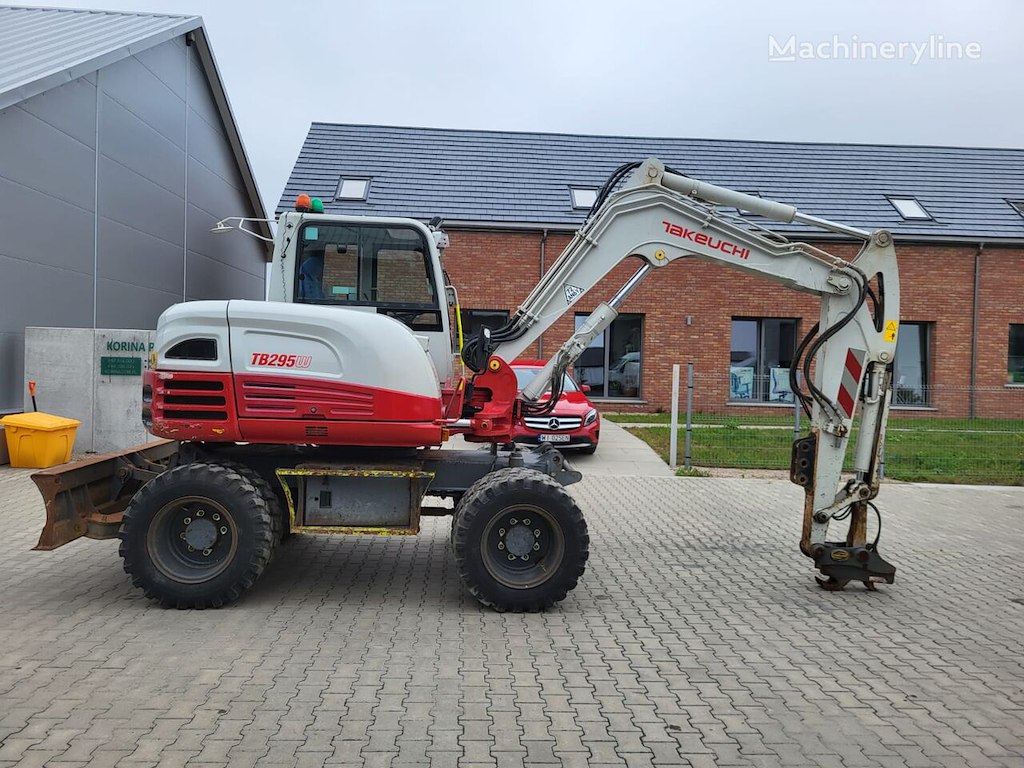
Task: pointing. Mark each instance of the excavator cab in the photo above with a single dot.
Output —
(390, 267)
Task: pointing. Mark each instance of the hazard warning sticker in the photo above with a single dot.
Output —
(572, 293)
(890, 330)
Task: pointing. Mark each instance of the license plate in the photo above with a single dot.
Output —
(553, 438)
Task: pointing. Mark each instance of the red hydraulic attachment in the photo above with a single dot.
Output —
(494, 402)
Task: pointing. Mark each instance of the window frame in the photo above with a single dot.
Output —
(577, 205)
(895, 199)
(1010, 372)
(606, 368)
(762, 380)
(466, 313)
(926, 340)
(341, 183)
(395, 309)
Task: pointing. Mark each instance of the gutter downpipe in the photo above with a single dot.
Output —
(543, 244)
(974, 331)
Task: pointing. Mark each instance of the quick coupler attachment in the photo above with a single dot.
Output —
(842, 564)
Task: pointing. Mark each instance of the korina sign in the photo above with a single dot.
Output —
(129, 346)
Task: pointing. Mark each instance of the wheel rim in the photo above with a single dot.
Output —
(192, 539)
(522, 546)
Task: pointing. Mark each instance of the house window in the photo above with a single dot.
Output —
(583, 198)
(1015, 356)
(909, 208)
(613, 363)
(475, 319)
(910, 371)
(759, 360)
(352, 189)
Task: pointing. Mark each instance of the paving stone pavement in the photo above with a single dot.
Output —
(697, 637)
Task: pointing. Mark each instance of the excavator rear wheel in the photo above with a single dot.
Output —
(280, 524)
(520, 541)
(197, 536)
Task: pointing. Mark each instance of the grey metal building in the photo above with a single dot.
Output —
(118, 153)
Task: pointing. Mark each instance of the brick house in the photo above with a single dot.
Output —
(511, 201)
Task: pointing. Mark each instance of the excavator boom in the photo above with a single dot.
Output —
(659, 216)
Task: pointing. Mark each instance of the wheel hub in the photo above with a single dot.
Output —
(201, 533)
(519, 540)
(521, 547)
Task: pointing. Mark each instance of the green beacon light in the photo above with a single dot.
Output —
(316, 205)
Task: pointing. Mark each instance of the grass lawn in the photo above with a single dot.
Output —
(932, 450)
(784, 418)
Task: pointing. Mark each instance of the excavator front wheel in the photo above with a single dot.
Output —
(520, 541)
(197, 536)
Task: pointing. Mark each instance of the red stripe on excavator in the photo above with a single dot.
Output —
(846, 401)
(363, 433)
(270, 396)
(850, 381)
(853, 365)
(219, 407)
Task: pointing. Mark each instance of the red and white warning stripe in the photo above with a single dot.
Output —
(851, 380)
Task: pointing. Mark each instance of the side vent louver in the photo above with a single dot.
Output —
(198, 400)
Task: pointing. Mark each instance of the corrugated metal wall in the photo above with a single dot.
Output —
(109, 239)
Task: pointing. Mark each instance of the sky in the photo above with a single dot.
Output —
(938, 72)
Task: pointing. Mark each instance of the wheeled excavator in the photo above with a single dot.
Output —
(324, 410)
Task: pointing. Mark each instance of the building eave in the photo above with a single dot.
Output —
(227, 117)
(92, 62)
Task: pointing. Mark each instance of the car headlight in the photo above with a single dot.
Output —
(590, 418)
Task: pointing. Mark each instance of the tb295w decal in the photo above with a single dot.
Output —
(265, 359)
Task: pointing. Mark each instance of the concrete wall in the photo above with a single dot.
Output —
(109, 185)
(67, 365)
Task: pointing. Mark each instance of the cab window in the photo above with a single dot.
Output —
(355, 265)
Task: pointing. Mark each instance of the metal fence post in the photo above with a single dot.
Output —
(796, 411)
(673, 438)
(689, 413)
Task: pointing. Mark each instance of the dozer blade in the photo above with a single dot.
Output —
(88, 498)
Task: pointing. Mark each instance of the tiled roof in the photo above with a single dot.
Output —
(493, 177)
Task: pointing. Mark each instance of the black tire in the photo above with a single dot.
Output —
(275, 503)
(520, 541)
(197, 536)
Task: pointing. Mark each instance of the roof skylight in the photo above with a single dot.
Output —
(583, 198)
(909, 208)
(352, 189)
